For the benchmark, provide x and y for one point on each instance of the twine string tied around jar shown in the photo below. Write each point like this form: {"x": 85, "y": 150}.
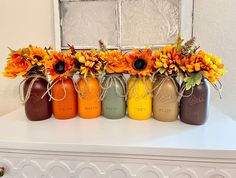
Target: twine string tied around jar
{"x": 27, "y": 95}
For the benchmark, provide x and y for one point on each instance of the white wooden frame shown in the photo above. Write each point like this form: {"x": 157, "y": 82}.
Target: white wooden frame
{"x": 186, "y": 25}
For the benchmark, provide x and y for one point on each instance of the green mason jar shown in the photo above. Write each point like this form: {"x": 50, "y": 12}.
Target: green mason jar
{"x": 113, "y": 96}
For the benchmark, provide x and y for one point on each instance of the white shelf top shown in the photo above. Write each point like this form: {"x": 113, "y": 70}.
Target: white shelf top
{"x": 215, "y": 139}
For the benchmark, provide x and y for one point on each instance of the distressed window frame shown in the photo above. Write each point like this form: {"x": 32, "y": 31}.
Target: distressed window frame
{"x": 186, "y": 10}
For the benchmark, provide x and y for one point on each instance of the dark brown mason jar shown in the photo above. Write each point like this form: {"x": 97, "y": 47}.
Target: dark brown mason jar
{"x": 194, "y": 106}
{"x": 36, "y": 107}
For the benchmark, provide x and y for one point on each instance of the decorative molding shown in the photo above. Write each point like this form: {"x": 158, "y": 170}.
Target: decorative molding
{"x": 44, "y": 166}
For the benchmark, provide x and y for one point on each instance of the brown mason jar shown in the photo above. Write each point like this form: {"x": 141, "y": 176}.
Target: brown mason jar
{"x": 36, "y": 107}
{"x": 194, "y": 106}
{"x": 165, "y": 99}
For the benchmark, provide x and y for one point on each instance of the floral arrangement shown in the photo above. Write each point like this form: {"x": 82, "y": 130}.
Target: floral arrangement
{"x": 184, "y": 60}
{"x": 25, "y": 61}
{"x": 89, "y": 63}
{"x": 187, "y": 62}
{"x": 195, "y": 64}
{"x": 114, "y": 61}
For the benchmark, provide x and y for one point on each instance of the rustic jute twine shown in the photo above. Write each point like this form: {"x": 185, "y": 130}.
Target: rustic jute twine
{"x": 159, "y": 86}
{"x": 54, "y": 82}
{"x": 90, "y": 94}
{"x": 133, "y": 86}
{"x": 114, "y": 79}
{"x": 27, "y": 95}
{"x": 218, "y": 87}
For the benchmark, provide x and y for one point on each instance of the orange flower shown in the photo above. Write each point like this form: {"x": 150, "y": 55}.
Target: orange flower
{"x": 60, "y": 65}
{"x": 17, "y": 65}
{"x": 140, "y": 62}
{"x": 89, "y": 63}
{"x": 165, "y": 60}
{"x": 114, "y": 61}
{"x": 202, "y": 61}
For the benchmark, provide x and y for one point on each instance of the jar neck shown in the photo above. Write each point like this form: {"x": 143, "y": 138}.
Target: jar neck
{"x": 89, "y": 76}
{"x": 30, "y": 74}
{"x": 114, "y": 74}
{"x": 136, "y": 76}
{"x": 165, "y": 76}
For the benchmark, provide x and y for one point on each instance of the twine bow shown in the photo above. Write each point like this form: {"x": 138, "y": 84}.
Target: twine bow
{"x": 54, "y": 82}
{"x": 218, "y": 87}
{"x": 109, "y": 80}
{"x": 133, "y": 86}
{"x": 27, "y": 95}
{"x": 90, "y": 95}
{"x": 159, "y": 86}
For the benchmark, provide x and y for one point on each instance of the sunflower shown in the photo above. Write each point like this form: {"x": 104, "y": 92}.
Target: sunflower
{"x": 140, "y": 62}
{"x": 165, "y": 60}
{"x": 114, "y": 61}
{"x": 59, "y": 65}
{"x": 90, "y": 63}
{"x": 37, "y": 55}
{"x": 17, "y": 64}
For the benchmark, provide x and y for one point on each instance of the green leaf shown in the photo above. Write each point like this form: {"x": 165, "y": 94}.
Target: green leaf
{"x": 11, "y": 50}
{"x": 161, "y": 70}
{"x": 193, "y": 79}
{"x": 224, "y": 71}
{"x": 188, "y": 86}
{"x": 198, "y": 78}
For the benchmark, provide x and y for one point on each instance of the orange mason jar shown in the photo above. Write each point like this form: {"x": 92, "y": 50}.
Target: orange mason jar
{"x": 64, "y": 104}
{"x": 89, "y": 99}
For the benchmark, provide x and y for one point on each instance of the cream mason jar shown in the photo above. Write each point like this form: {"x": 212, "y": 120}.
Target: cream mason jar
{"x": 139, "y": 98}
{"x": 165, "y": 99}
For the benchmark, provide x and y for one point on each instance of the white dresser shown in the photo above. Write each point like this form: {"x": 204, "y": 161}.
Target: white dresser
{"x": 102, "y": 148}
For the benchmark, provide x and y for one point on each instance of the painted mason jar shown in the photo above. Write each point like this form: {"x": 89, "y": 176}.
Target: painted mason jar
{"x": 194, "y": 107}
{"x": 165, "y": 98}
{"x": 89, "y": 98}
{"x": 139, "y": 100}
{"x": 64, "y": 102}
{"x": 114, "y": 93}
{"x": 37, "y": 105}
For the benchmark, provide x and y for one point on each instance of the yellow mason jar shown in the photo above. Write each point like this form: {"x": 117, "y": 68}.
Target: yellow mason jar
{"x": 139, "y": 98}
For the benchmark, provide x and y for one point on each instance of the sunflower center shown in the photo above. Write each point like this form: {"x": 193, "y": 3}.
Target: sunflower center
{"x": 38, "y": 57}
{"x": 60, "y": 67}
{"x": 140, "y": 64}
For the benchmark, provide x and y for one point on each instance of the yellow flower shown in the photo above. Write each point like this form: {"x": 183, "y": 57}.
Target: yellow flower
{"x": 166, "y": 58}
{"x": 197, "y": 67}
{"x": 37, "y": 55}
{"x": 206, "y": 62}
{"x": 90, "y": 64}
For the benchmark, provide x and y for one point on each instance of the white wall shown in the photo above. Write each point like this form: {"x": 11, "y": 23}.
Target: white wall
{"x": 23, "y": 22}
{"x": 215, "y": 29}
{"x": 30, "y": 21}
